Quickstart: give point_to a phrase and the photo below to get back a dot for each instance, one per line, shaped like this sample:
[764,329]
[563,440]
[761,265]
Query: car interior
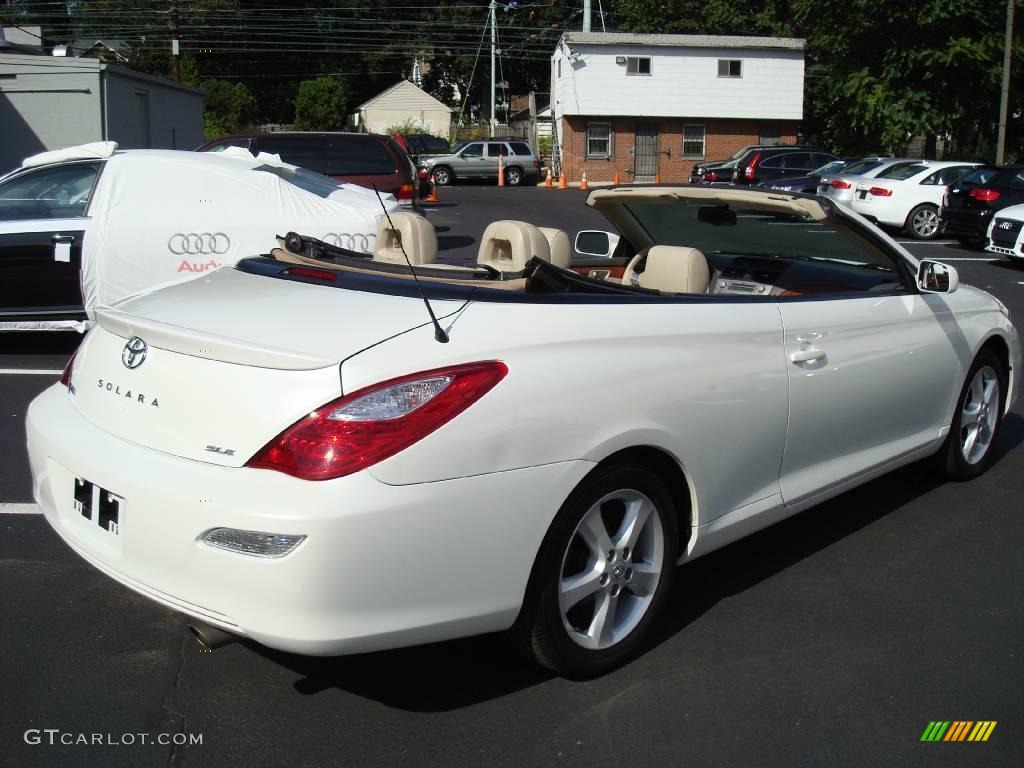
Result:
[741,244]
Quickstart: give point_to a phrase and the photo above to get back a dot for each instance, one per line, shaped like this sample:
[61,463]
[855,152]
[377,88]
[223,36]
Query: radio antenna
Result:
[439,333]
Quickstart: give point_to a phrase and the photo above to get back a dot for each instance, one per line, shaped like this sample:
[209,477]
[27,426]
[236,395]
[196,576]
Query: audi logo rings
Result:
[198,243]
[353,242]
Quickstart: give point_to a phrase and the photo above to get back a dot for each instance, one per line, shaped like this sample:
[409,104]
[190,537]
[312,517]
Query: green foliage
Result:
[409,128]
[228,108]
[320,105]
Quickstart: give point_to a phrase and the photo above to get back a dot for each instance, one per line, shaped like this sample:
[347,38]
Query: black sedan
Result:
[808,183]
[969,205]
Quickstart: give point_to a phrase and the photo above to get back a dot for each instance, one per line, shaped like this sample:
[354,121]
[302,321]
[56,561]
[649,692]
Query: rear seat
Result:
[411,230]
[507,245]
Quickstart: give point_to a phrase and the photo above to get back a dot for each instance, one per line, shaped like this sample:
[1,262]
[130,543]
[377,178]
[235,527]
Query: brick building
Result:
[652,106]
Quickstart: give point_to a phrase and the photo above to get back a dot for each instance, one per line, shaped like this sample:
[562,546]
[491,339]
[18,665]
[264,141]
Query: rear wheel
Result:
[513,176]
[967,451]
[443,176]
[923,222]
[603,570]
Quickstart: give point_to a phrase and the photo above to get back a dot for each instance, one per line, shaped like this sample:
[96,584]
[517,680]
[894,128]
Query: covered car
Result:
[88,225]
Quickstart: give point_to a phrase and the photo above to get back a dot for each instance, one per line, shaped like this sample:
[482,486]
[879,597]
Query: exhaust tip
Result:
[210,637]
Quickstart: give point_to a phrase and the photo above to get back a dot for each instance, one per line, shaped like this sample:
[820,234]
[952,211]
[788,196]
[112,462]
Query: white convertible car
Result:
[291,449]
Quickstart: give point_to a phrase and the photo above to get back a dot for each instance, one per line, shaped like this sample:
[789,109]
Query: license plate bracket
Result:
[95,503]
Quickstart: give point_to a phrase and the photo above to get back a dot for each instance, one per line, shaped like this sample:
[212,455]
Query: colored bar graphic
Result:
[958,730]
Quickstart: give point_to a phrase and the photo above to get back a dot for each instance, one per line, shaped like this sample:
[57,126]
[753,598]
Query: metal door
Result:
[645,152]
[39,270]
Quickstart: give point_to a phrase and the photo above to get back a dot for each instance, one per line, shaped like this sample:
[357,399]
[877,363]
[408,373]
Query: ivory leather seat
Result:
[411,230]
[507,245]
[671,269]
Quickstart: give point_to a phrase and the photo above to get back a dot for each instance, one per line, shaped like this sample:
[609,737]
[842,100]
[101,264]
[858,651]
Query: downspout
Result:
[104,117]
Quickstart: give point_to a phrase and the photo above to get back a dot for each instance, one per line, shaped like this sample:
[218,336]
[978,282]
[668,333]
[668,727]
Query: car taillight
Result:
[880,191]
[376,422]
[406,192]
[984,195]
[840,184]
[748,172]
[65,377]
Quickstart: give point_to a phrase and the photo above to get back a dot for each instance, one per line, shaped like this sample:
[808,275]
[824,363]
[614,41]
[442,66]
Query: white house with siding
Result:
[401,103]
[651,106]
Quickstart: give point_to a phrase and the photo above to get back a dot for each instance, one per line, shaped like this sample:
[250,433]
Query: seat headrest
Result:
[558,244]
[676,269]
[411,230]
[507,245]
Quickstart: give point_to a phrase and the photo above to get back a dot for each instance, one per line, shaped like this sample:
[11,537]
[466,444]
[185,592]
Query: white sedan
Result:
[1006,233]
[908,197]
[295,451]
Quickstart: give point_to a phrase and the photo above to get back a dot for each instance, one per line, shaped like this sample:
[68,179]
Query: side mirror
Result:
[594,242]
[936,277]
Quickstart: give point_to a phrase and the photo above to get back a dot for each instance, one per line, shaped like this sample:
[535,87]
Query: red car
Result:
[366,159]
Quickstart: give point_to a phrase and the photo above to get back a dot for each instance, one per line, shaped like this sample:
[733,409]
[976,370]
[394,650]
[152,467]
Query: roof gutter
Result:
[104,116]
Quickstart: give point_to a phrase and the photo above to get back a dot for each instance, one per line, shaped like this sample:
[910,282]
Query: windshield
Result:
[901,172]
[834,167]
[862,166]
[728,230]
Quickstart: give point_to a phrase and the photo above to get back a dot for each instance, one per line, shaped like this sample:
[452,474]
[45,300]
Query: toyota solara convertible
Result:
[293,450]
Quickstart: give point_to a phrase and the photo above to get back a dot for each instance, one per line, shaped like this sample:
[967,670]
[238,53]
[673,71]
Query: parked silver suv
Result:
[478,159]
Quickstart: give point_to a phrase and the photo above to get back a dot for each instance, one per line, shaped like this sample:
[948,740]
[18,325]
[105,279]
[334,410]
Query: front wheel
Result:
[604,568]
[443,176]
[968,450]
[923,222]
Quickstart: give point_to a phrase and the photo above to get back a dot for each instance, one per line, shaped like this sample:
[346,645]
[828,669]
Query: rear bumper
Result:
[382,566]
[964,224]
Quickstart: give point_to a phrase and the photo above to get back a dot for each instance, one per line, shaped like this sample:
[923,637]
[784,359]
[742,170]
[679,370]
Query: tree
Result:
[227,108]
[320,105]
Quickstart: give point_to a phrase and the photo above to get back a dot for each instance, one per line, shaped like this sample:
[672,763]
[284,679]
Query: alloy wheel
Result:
[925,223]
[611,569]
[979,415]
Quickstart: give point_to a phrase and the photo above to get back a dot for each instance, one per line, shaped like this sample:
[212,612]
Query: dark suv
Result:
[419,145]
[969,204]
[763,164]
[366,159]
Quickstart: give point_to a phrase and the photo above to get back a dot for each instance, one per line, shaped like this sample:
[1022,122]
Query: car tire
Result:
[579,595]
[443,176]
[923,222]
[969,447]
[513,176]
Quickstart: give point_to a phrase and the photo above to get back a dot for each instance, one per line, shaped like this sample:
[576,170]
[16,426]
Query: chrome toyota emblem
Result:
[198,243]
[134,353]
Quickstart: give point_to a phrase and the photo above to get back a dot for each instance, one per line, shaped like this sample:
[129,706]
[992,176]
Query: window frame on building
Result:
[728,73]
[634,62]
[703,141]
[609,152]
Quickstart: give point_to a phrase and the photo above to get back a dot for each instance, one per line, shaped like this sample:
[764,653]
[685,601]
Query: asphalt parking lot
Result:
[831,639]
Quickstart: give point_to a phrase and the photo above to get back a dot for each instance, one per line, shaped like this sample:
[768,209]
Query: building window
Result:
[599,140]
[638,65]
[693,142]
[730,68]
[768,135]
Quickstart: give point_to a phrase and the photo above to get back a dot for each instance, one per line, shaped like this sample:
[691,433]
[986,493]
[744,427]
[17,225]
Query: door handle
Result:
[807,355]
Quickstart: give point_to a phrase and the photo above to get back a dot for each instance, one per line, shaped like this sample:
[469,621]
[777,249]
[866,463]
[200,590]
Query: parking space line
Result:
[979,259]
[927,242]
[20,509]
[31,371]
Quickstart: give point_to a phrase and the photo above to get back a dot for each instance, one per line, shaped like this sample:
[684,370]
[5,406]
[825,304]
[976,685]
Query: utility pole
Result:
[494,45]
[1005,96]
[175,46]
[586,15]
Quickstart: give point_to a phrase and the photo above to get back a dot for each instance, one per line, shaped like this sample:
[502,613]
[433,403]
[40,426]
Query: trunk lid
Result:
[231,360]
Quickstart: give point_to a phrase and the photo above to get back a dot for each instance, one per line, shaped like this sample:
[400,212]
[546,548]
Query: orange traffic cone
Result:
[547,181]
[657,178]
[432,197]
[583,181]
[618,180]
[561,180]
[501,171]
